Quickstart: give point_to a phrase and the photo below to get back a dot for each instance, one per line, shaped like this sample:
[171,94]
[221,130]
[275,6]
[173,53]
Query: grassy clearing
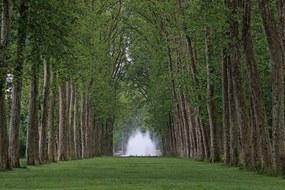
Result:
[136,173]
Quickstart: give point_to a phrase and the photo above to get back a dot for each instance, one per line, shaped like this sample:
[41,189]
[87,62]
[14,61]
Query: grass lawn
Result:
[136,173]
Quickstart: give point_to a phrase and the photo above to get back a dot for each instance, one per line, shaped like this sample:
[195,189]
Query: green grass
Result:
[136,173]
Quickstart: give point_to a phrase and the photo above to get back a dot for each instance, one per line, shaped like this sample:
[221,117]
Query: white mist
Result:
[140,144]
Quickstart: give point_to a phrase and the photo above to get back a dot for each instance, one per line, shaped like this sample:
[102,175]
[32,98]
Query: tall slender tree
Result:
[5,34]
[274,39]
[32,146]
[211,106]
[43,149]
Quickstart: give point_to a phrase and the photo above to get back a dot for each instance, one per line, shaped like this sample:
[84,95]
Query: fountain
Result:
[140,144]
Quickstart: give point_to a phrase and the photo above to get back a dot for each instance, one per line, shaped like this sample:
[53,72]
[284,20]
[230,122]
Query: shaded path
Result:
[136,173]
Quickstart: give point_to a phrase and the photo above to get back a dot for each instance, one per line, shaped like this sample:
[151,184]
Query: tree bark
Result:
[256,142]
[62,153]
[67,125]
[254,81]
[281,12]
[76,127]
[4,142]
[71,122]
[199,122]
[242,114]
[87,127]
[17,87]
[51,120]
[4,39]
[211,106]
[274,40]
[45,116]
[83,126]
[226,109]
[234,135]
[32,148]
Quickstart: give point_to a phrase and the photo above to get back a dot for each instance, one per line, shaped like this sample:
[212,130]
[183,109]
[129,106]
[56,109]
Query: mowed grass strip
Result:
[136,173]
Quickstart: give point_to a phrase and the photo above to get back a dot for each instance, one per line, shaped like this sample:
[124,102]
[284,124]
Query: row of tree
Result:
[205,69]
[60,66]
[210,77]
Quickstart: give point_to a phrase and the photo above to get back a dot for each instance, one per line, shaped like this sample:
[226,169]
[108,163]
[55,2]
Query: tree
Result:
[214,130]
[17,85]
[5,33]
[32,152]
[274,39]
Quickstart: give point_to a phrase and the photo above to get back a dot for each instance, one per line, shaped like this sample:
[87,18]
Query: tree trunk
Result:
[254,81]
[71,122]
[234,135]
[281,12]
[109,125]
[256,141]
[226,109]
[51,120]
[4,142]
[32,152]
[67,125]
[45,116]
[17,87]
[282,27]
[83,126]
[98,139]
[4,39]
[211,106]
[87,127]
[198,97]
[242,114]
[274,40]
[62,153]
[192,131]
[76,127]
[90,130]
[187,127]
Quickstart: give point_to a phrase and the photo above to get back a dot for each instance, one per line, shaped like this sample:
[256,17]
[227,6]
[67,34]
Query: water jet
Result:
[141,144]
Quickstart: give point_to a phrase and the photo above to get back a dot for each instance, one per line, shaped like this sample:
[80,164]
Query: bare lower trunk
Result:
[71,122]
[87,128]
[193,69]
[108,148]
[76,128]
[90,130]
[226,113]
[242,113]
[45,116]
[274,39]
[282,27]
[32,151]
[234,135]
[259,111]
[17,88]
[211,106]
[62,153]
[4,142]
[67,123]
[51,122]
[281,13]
[256,142]
[83,126]
[98,139]
[5,31]
[14,125]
